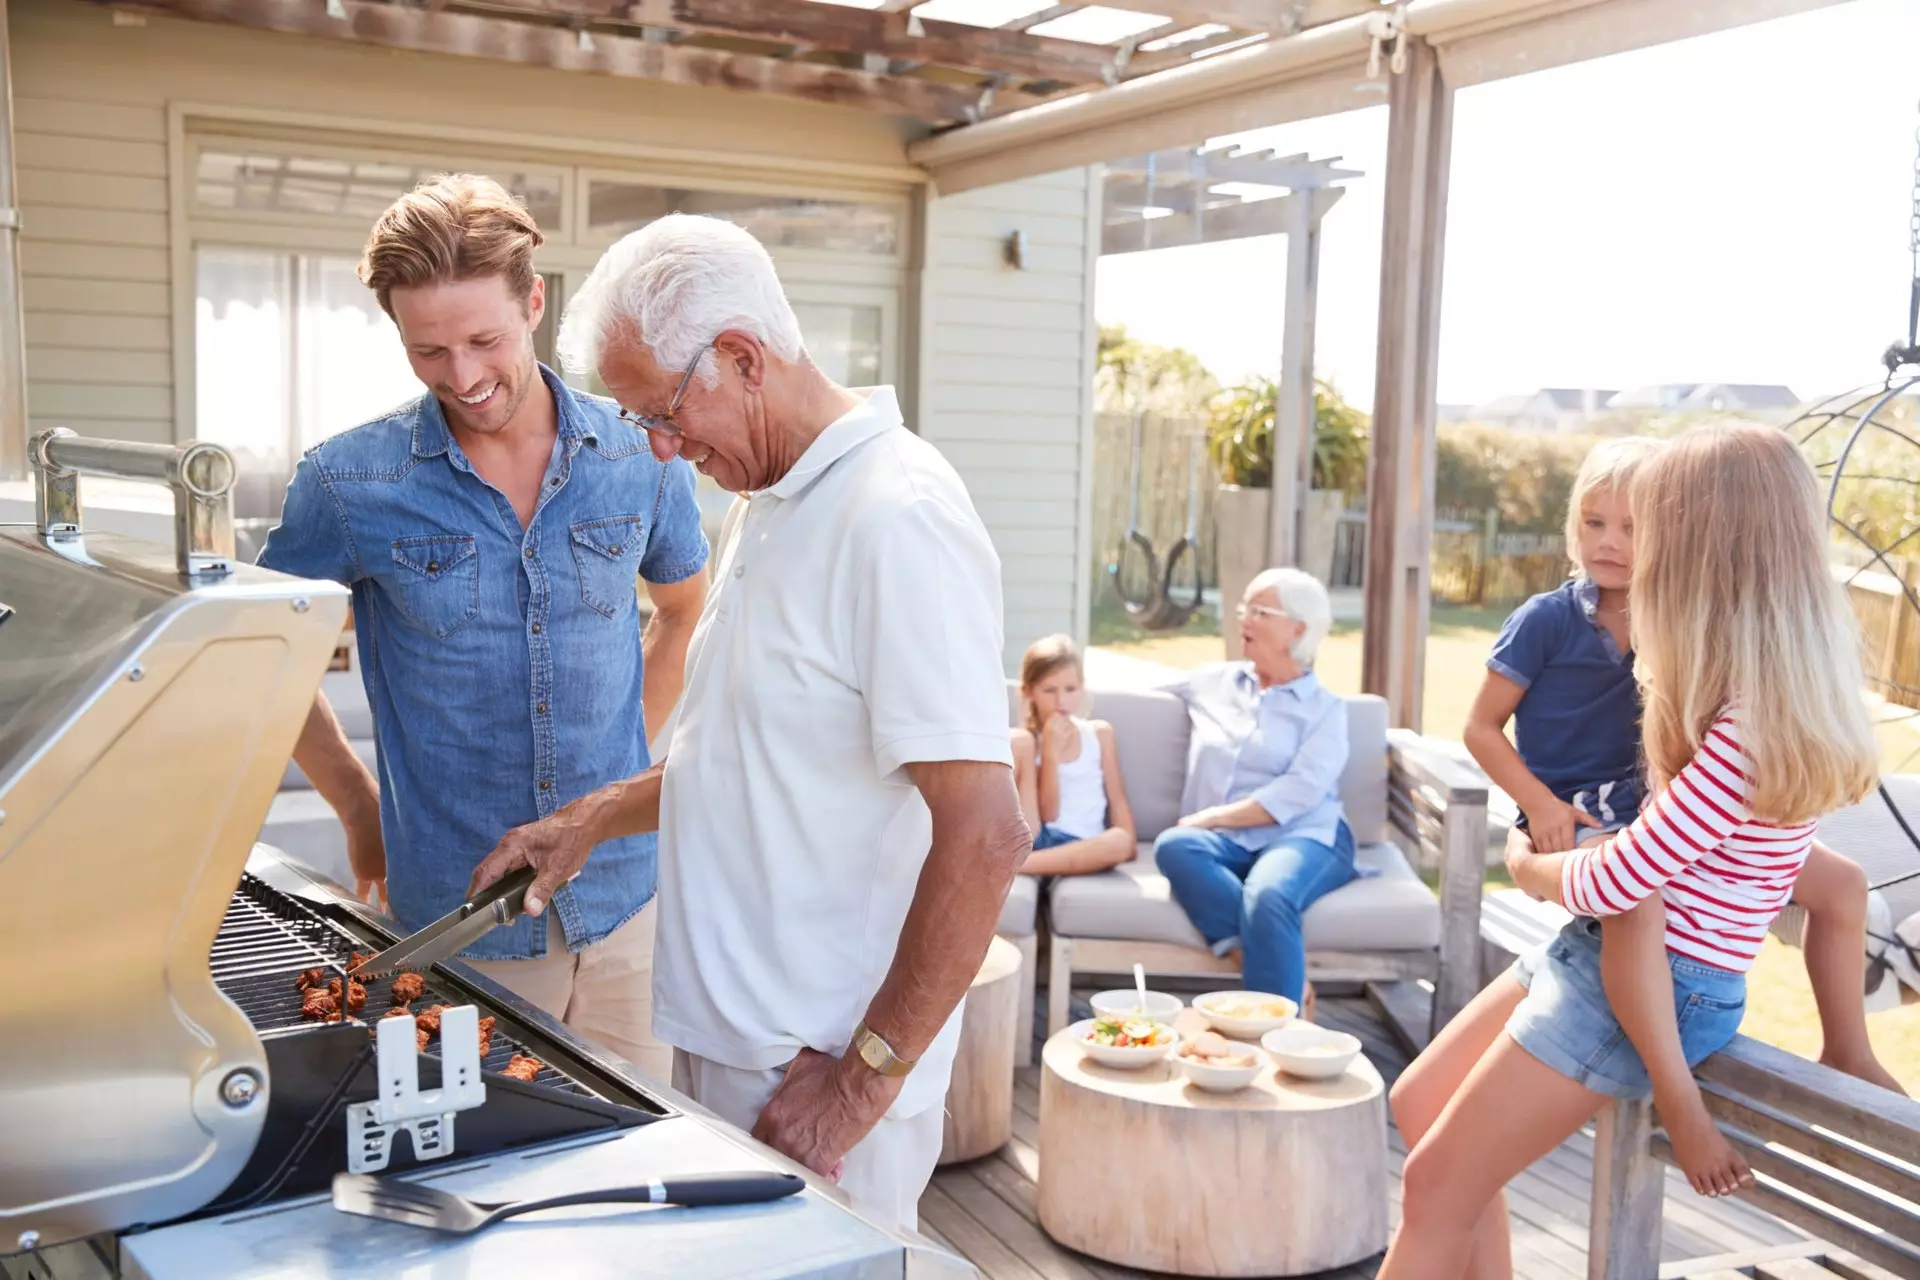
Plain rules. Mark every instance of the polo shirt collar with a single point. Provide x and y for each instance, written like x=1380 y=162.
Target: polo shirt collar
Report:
x=879 y=414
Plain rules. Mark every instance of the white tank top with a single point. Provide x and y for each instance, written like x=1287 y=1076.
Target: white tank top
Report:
x=1083 y=788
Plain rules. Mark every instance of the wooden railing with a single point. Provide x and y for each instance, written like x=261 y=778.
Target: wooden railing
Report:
x=1832 y=1155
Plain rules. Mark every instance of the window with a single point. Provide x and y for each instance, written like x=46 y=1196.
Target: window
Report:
x=616 y=207
x=291 y=348
x=254 y=180
x=843 y=340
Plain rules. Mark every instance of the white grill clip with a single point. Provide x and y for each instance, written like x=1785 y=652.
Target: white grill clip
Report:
x=426 y=1116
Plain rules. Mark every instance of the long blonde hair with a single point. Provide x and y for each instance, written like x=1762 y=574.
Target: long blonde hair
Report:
x=1733 y=606
x=1044 y=657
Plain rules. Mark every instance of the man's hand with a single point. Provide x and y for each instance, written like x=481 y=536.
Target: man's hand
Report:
x=823 y=1107
x=1057 y=734
x=367 y=855
x=1555 y=826
x=556 y=847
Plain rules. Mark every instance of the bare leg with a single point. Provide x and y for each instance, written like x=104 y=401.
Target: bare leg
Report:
x=1512 y=1111
x=1633 y=967
x=1110 y=848
x=1833 y=889
x=1426 y=1087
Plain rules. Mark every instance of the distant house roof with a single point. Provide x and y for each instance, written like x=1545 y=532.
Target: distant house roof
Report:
x=1505 y=406
x=1575 y=399
x=1743 y=395
x=1706 y=395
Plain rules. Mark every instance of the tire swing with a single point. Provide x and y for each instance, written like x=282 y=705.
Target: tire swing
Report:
x=1174 y=609
x=1143 y=602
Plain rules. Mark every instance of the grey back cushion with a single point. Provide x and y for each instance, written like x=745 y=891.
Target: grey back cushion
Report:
x=1153 y=730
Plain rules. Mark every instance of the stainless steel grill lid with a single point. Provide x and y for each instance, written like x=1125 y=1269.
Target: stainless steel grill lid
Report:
x=146 y=715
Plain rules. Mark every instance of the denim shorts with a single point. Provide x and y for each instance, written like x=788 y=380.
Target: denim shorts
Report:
x=1566 y=1022
x=1052 y=837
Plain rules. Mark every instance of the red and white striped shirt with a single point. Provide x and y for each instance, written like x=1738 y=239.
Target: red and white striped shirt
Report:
x=1722 y=874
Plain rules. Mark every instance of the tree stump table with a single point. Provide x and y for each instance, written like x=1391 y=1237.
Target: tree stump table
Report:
x=979 y=1116
x=1141 y=1168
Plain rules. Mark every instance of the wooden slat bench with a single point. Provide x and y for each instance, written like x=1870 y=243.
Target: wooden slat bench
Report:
x=1832 y=1155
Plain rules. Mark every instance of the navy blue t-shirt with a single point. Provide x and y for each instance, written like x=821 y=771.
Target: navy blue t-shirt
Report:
x=1579 y=724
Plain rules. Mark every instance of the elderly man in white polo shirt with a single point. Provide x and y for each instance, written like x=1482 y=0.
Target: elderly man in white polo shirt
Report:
x=837 y=815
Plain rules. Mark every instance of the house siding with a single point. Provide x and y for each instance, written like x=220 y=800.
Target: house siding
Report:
x=1006 y=389
x=91 y=105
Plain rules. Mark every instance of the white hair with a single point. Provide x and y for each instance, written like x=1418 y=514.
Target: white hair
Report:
x=674 y=286
x=1305 y=601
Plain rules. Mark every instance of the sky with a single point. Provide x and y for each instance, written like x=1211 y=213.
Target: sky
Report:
x=1732 y=208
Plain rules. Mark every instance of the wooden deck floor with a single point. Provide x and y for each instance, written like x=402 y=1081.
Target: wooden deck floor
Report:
x=985 y=1210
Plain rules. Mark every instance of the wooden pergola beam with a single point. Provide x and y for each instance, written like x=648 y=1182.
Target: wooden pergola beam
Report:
x=529 y=44
x=1284 y=16
x=1400 y=472
x=861 y=31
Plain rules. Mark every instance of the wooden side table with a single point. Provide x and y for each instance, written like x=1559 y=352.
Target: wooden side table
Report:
x=980 y=1096
x=1140 y=1168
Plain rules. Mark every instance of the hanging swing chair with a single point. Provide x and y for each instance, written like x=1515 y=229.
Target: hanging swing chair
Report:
x=1865 y=446
x=1157 y=595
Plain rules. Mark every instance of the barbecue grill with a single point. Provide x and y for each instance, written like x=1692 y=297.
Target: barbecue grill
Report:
x=166 y=1110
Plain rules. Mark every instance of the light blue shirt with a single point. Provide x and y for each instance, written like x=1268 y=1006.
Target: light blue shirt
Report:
x=503 y=663
x=1284 y=746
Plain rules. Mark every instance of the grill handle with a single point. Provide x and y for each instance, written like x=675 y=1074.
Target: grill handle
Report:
x=200 y=474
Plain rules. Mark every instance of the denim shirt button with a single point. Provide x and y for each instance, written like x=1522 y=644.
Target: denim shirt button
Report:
x=546 y=784
x=528 y=552
x=541 y=709
x=536 y=628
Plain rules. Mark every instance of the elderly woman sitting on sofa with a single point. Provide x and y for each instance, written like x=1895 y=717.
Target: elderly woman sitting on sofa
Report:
x=1264 y=835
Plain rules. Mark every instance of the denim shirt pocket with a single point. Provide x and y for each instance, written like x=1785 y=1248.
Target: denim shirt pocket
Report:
x=606 y=553
x=437 y=579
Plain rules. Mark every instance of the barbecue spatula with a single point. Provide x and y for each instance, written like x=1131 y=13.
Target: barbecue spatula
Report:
x=416 y=1205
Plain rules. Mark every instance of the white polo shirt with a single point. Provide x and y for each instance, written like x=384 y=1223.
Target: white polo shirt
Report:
x=854 y=627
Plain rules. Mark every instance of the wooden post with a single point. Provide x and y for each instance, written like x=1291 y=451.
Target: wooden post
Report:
x=1628 y=1195
x=1401 y=473
x=1293 y=408
x=13 y=347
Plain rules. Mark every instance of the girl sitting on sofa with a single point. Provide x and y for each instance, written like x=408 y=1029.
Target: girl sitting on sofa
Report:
x=1068 y=770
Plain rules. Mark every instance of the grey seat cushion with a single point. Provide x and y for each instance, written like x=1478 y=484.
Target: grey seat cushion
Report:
x=1393 y=911
x=1022 y=907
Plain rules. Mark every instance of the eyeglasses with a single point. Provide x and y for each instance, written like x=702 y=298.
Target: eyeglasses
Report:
x=664 y=425
x=1241 y=611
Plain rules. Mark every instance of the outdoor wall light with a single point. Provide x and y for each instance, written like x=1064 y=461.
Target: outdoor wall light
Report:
x=1015 y=250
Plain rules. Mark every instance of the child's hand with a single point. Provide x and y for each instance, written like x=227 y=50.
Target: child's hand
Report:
x=1057 y=733
x=1555 y=826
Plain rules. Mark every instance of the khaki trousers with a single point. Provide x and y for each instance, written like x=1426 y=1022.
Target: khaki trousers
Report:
x=605 y=992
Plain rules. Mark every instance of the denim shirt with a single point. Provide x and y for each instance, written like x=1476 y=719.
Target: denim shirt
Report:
x=502 y=665
x=1284 y=746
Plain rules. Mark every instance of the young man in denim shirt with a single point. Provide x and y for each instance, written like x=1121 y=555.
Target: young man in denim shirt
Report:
x=492 y=532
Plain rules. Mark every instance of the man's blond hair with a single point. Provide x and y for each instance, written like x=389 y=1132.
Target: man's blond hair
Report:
x=456 y=226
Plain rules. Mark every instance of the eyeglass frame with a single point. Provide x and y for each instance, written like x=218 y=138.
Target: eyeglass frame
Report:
x=663 y=425
x=1241 y=610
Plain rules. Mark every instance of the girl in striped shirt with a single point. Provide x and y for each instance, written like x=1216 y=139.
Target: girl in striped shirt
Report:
x=1752 y=726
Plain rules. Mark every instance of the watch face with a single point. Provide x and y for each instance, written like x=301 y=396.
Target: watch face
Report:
x=872 y=1052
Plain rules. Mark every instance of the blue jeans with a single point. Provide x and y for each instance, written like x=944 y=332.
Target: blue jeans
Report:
x=1256 y=896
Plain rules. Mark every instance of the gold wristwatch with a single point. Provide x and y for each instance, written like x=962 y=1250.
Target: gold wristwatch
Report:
x=877 y=1053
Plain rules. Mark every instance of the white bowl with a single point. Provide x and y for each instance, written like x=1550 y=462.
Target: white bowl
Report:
x=1244 y=1028
x=1161 y=1007
x=1131 y=1056
x=1215 y=1078
x=1311 y=1052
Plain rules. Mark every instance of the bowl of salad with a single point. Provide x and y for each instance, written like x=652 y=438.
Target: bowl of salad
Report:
x=1217 y=1064
x=1245 y=1015
x=1313 y=1053
x=1124 y=1041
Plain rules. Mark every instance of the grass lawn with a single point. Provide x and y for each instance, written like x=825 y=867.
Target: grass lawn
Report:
x=1780 y=1009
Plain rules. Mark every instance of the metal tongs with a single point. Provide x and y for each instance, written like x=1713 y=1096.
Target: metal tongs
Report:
x=454 y=932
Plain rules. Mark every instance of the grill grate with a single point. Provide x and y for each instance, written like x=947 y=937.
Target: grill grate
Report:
x=268 y=938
